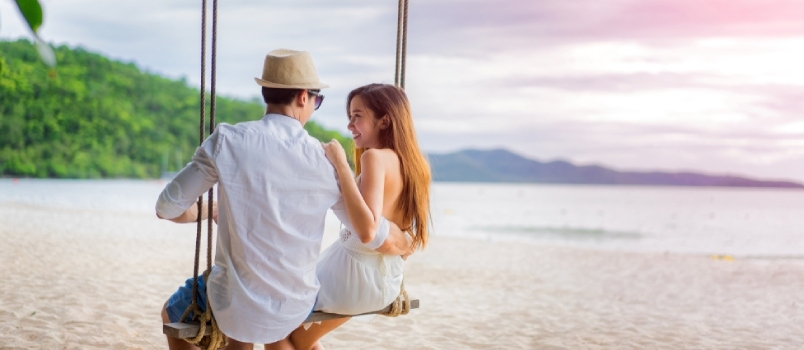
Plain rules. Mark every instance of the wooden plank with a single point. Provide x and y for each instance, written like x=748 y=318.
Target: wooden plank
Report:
x=319 y=316
x=189 y=330
x=182 y=330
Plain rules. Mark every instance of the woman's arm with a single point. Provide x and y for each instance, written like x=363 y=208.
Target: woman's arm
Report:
x=389 y=239
x=398 y=242
x=364 y=203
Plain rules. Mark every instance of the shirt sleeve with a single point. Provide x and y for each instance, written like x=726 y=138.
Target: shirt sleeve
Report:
x=339 y=208
x=197 y=177
x=382 y=229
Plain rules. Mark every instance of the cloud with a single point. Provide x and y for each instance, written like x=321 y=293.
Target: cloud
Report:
x=609 y=82
x=715 y=85
x=446 y=25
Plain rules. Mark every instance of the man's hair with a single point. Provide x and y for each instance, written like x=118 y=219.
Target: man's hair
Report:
x=275 y=96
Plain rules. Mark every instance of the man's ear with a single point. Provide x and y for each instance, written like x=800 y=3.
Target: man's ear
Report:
x=301 y=98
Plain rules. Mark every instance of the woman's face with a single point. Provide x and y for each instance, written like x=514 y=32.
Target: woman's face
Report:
x=363 y=124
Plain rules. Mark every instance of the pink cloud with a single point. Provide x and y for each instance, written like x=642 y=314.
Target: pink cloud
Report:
x=713 y=17
x=453 y=26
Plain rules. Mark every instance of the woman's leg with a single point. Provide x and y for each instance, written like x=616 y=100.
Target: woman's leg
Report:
x=283 y=344
x=306 y=339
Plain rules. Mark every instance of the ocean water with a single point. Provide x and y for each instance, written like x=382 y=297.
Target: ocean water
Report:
x=736 y=221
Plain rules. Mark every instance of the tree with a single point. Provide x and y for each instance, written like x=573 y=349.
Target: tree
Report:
x=102 y=118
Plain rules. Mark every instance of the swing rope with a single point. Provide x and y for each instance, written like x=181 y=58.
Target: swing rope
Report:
x=402 y=304
x=398 y=42
x=216 y=339
x=401 y=43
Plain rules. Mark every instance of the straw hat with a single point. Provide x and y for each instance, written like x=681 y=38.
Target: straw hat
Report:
x=289 y=69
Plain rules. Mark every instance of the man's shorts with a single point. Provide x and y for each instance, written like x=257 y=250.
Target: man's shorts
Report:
x=180 y=300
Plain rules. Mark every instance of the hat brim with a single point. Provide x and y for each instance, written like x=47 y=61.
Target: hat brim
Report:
x=306 y=86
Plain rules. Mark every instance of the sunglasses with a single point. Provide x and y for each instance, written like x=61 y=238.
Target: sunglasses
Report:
x=319 y=98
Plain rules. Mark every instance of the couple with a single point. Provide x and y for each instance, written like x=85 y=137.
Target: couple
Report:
x=275 y=185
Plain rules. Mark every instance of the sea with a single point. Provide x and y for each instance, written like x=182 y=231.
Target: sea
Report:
x=753 y=222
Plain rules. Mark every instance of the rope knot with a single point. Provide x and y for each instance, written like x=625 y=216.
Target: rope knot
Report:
x=401 y=305
x=216 y=339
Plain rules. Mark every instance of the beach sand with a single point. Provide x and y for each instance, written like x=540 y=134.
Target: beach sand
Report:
x=81 y=279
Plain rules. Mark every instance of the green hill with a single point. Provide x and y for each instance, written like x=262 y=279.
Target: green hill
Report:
x=94 y=117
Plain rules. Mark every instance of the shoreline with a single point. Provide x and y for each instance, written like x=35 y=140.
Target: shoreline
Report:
x=798 y=187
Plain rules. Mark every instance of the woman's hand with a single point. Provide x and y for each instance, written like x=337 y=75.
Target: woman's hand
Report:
x=335 y=154
x=411 y=248
x=406 y=255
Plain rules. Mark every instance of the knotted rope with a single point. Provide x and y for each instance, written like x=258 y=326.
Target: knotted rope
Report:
x=400 y=306
x=216 y=339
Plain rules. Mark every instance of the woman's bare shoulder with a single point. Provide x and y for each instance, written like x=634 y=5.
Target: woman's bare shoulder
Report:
x=385 y=156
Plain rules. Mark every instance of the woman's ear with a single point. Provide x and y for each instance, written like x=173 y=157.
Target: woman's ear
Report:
x=385 y=121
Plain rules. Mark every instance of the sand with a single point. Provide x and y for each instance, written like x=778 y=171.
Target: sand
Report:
x=79 y=279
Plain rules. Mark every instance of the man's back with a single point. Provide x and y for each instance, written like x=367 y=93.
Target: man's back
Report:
x=274 y=188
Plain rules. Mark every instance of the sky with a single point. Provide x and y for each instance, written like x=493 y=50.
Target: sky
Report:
x=714 y=86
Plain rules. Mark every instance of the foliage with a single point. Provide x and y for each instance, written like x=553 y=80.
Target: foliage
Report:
x=31 y=11
x=101 y=118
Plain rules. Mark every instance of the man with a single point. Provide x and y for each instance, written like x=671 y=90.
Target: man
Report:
x=275 y=186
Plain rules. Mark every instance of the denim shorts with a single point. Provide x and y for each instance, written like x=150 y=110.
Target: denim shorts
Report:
x=180 y=300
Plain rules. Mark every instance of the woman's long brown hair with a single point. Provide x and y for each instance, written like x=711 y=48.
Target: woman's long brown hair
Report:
x=414 y=201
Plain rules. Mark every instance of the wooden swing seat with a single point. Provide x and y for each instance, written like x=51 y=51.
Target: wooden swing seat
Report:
x=184 y=330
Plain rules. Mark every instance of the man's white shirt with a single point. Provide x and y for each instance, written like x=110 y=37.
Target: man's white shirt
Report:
x=275 y=186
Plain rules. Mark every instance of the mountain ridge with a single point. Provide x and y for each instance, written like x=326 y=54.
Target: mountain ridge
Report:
x=501 y=165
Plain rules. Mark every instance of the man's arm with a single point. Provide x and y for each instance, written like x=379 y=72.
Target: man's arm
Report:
x=191 y=214
x=177 y=202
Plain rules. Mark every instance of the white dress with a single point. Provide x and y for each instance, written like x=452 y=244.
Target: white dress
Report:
x=355 y=278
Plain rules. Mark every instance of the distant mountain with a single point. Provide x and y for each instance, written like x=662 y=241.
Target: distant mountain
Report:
x=504 y=166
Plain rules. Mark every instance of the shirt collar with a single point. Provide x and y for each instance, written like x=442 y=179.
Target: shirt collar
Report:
x=281 y=118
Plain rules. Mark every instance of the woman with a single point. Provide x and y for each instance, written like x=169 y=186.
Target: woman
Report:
x=392 y=181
